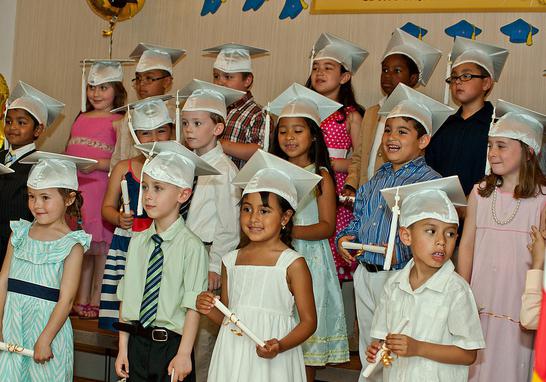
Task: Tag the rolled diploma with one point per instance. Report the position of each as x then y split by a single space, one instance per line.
18 349
392 234
125 196
364 247
371 367
233 318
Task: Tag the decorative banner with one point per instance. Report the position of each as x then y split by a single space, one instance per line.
520 31
211 6
414 30
463 29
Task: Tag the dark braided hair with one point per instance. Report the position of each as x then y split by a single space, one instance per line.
73 210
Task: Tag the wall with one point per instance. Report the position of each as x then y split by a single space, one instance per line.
52 36
7 41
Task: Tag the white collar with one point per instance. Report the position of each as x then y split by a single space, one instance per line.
213 154
21 151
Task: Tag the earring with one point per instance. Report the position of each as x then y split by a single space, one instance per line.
283 227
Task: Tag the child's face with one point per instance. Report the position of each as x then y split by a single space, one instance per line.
400 141
48 205
504 155
394 69
432 242
20 129
326 77
469 91
295 138
200 131
161 199
101 96
160 134
234 81
262 223
152 83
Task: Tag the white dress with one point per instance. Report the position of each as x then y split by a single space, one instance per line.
260 297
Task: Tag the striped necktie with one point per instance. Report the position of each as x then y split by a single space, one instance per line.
148 307
10 157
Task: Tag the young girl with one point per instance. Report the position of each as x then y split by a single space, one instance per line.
298 138
40 275
262 281
93 136
334 64
493 254
150 123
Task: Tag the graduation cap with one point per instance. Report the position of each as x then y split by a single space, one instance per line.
424 56
5 169
234 58
407 102
490 57
414 30
329 46
155 57
41 106
266 172
520 31
463 29
518 122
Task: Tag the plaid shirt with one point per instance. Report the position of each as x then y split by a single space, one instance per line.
245 124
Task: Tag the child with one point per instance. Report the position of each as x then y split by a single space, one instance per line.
264 280
493 252
443 330
406 60
298 138
153 77
244 131
460 146
29 113
93 136
166 270
150 122
39 278
333 65
213 215
534 282
411 119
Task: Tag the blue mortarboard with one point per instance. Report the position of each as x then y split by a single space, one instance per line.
210 6
464 29
414 30
520 31
292 8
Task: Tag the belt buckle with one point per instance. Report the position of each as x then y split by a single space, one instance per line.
160 335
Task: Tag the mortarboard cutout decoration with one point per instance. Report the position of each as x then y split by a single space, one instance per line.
42 107
211 6
152 57
520 31
234 58
414 30
267 172
329 46
463 29
292 8
252 5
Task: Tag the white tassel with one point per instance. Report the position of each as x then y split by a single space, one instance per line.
491 125
311 61
148 158
448 74
392 232
130 125
177 120
267 130
84 89
6 143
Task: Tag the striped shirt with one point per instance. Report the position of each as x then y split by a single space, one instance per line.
245 123
372 215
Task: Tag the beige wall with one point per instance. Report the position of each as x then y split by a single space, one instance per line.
52 36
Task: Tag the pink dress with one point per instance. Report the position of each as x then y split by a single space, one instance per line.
94 138
339 143
501 261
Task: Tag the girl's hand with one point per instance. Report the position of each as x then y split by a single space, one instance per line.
372 350
42 351
89 168
215 281
402 345
122 364
181 365
125 221
342 251
205 302
270 350
537 248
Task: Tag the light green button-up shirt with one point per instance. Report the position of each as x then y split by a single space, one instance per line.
185 267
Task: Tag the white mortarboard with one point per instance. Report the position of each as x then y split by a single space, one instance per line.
425 56
155 57
490 57
52 170
340 50
43 107
5 169
517 122
407 102
234 58
266 172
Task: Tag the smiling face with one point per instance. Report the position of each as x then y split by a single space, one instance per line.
48 205
162 133
401 141
295 139
200 131
327 77
20 128
504 155
101 97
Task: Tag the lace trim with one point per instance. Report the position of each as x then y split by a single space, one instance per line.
91 143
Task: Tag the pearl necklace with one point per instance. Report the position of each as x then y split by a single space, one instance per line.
494 210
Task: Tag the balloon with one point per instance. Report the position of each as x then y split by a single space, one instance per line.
121 10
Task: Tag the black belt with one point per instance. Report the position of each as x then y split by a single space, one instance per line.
152 333
33 290
373 268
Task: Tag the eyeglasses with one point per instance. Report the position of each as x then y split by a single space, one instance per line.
146 80
464 77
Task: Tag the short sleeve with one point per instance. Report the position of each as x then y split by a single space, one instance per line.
19 230
464 322
195 274
80 237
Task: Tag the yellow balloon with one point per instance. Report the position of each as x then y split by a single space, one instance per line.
107 11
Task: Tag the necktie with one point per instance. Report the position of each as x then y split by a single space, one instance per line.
10 157
148 307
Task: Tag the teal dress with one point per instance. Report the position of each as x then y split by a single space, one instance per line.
329 342
36 270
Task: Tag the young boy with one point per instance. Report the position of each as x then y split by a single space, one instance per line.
411 119
245 122
166 270
406 60
438 305
28 114
153 77
213 215
460 146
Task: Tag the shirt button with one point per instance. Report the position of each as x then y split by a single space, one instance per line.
380 206
374 224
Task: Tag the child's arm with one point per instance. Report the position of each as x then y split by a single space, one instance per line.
353 123
69 286
122 360
4 274
301 286
532 297
466 247
326 203
239 150
110 209
205 301
101 165
182 360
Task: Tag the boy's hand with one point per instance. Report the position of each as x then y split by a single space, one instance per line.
342 251
205 302
271 349
42 351
402 345
122 365
215 281
537 248
348 203
125 221
372 350
182 367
